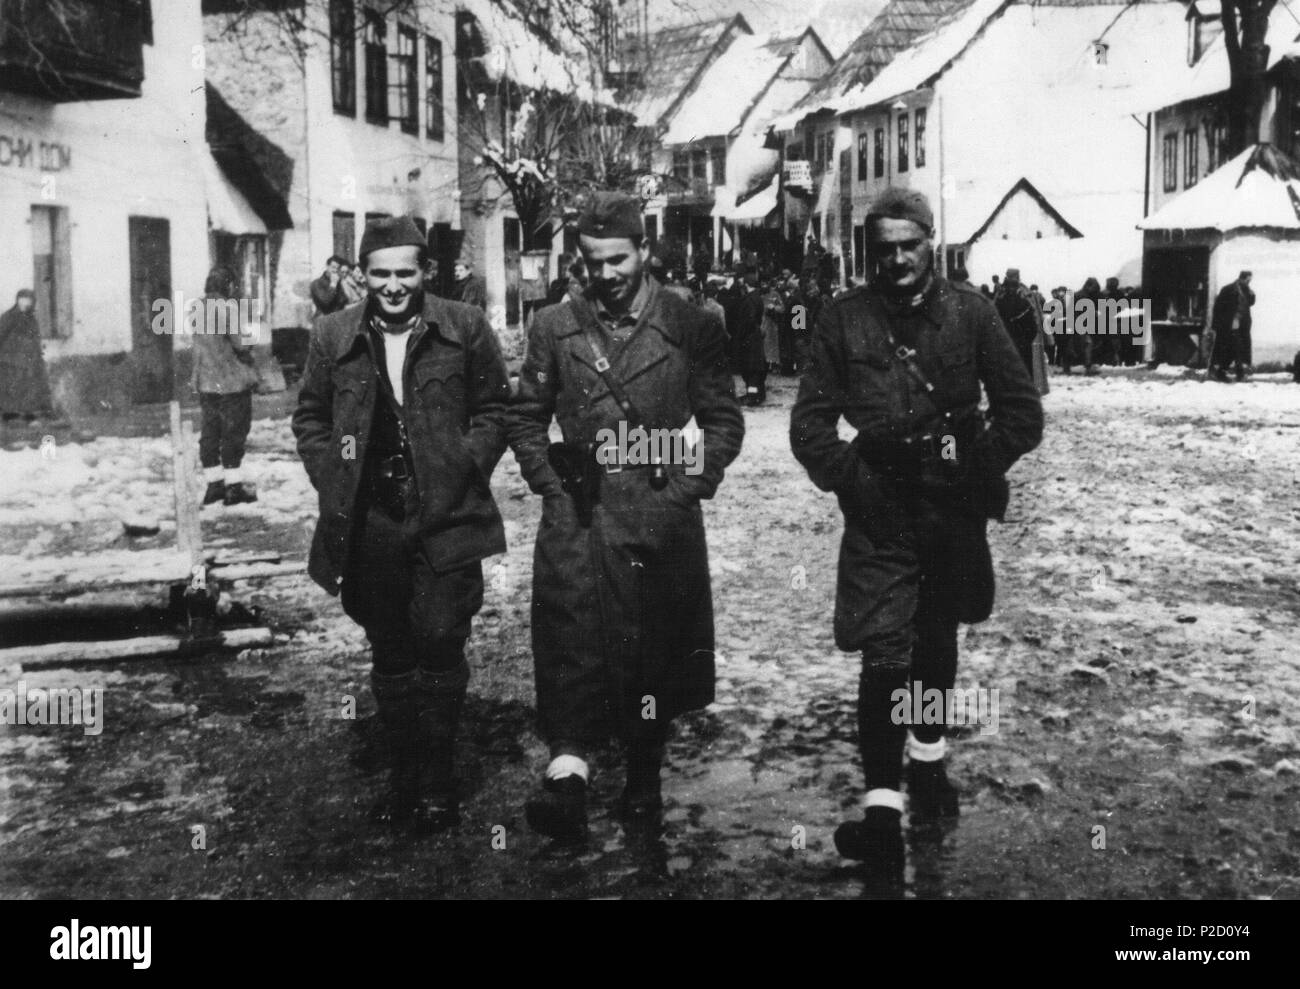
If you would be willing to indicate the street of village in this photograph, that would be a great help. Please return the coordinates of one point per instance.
(1143, 647)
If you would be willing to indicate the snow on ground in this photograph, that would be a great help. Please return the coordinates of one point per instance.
(1143, 647)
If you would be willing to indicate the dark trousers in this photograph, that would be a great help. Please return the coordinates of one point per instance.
(756, 379)
(914, 649)
(225, 422)
(1232, 349)
(413, 616)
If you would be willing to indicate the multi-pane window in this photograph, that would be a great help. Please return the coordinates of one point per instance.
(718, 162)
(433, 113)
(700, 164)
(1191, 157)
(1171, 162)
(878, 161)
(920, 138)
(902, 142)
(862, 157)
(374, 39)
(343, 56)
(1216, 144)
(682, 165)
(402, 70)
(345, 233)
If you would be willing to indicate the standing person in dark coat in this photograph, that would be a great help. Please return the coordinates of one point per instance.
(327, 291)
(622, 612)
(1080, 348)
(1016, 308)
(1230, 320)
(748, 337)
(916, 486)
(805, 309)
(224, 377)
(468, 288)
(24, 384)
(730, 297)
(400, 423)
(1107, 344)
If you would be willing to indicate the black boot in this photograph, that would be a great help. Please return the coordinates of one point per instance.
(398, 717)
(440, 698)
(237, 494)
(216, 492)
(876, 840)
(642, 800)
(560, 809)
(929, 792)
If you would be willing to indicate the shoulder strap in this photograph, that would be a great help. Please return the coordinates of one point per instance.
(908, 356)
(607, 375)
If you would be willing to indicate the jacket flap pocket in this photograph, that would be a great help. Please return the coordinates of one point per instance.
(443, 370)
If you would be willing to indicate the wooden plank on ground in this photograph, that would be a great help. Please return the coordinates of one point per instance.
(251, 571)
(113, 650)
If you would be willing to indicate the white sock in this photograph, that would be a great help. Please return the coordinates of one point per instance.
(926, 751)
(884, 798)
(212, 474)
(752, 390)
(234, 475)
(567, 765)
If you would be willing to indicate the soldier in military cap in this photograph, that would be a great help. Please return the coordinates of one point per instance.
(622, 612)
(400, 423)
(902, 359)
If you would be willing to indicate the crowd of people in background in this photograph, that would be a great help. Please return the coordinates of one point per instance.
(768, 314)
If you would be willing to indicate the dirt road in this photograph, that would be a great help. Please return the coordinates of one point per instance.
(1142, 649)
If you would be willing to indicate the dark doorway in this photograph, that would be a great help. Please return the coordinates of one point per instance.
(513, 245)
(444, 248)
(151, 278)
(52, 270)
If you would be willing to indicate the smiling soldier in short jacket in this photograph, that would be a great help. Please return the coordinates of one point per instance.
(400, 423)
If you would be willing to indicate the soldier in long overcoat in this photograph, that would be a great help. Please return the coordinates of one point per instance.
(622, 610)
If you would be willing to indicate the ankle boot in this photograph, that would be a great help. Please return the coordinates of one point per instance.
(929, 792)
(642, 799)
(876, 841)
(559, 809)
(395, 698)
(440, 699)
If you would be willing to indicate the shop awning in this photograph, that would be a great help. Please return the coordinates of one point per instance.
(228, 210)
(758, 207)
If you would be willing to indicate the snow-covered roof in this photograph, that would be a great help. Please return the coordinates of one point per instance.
(517, 53)
(928, 56)
(1211, 73)
(1258, 188)
(730, 87)
(675, 58)
(889, 32)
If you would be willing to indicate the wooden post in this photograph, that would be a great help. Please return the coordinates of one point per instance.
(189, 539)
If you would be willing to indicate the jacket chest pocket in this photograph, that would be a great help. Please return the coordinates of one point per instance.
(958, 378)
(440, 387)
(870, 381)
(349, 402)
